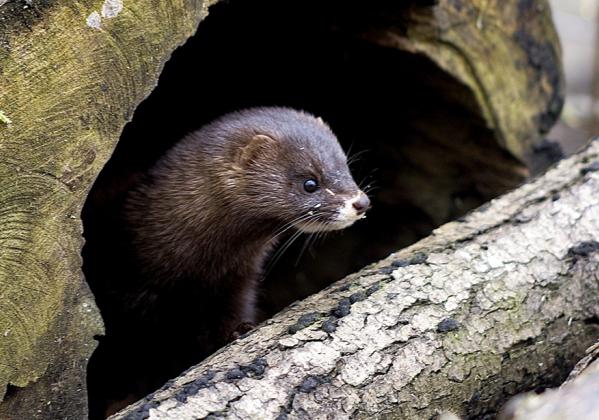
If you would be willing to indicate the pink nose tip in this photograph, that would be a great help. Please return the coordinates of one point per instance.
(361, 204)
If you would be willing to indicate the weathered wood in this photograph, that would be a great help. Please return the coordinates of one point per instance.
(577, 398)
(499, 302)
(506, 52)
(71, 74)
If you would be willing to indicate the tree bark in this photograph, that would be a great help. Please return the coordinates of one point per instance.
(577, 398)
(71, 75)
(488, 306)
(471, 40)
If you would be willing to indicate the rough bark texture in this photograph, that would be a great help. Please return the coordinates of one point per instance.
(577, 398)
(71, 74)
(499, 302)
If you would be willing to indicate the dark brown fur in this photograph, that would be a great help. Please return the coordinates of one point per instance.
(195, 233)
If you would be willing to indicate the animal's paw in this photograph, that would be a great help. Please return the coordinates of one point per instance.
(241, 330)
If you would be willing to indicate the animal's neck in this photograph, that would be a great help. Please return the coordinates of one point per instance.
(238, 250)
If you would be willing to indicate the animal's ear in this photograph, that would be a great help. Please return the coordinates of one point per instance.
(258, 146)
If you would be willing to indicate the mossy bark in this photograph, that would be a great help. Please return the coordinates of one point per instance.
(67, 88)
(71, 75)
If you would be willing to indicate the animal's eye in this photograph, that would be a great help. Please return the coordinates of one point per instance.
(310, 185)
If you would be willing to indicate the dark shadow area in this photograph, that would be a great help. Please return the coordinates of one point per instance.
(421, 141)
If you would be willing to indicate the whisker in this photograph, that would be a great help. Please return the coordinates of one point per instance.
(304, 247)
(351, 146)
(311, 218)
(356, 156)
(366, 178)
(282, 250)
(286, 225)
(321, 236)
(370, 189)
(291, 224)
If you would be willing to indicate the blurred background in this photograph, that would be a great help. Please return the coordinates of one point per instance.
(577, 22)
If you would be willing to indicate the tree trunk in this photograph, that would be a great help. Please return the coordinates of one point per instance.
(488, 306)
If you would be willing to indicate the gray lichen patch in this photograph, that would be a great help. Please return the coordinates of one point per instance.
(304, 321)
(193, 387)
(593, 167)
(94, 20)
(111, 8)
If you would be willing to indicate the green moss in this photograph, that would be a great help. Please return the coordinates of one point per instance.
(52, 78)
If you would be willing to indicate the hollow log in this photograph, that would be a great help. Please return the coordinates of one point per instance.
(575, 399)
(501, 301)
(471, 40)
(71, 77)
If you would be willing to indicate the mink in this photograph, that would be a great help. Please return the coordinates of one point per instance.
(198, 227)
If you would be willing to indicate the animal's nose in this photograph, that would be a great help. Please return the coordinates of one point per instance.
(361, 204)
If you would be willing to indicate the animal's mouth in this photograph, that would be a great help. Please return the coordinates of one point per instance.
(322, 226)
(344, 216)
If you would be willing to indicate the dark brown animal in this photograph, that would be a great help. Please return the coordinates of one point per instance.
(198, 227)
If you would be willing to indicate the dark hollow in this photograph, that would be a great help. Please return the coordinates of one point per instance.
(422, 145)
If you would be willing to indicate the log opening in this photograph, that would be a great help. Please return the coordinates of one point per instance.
(429, 149)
